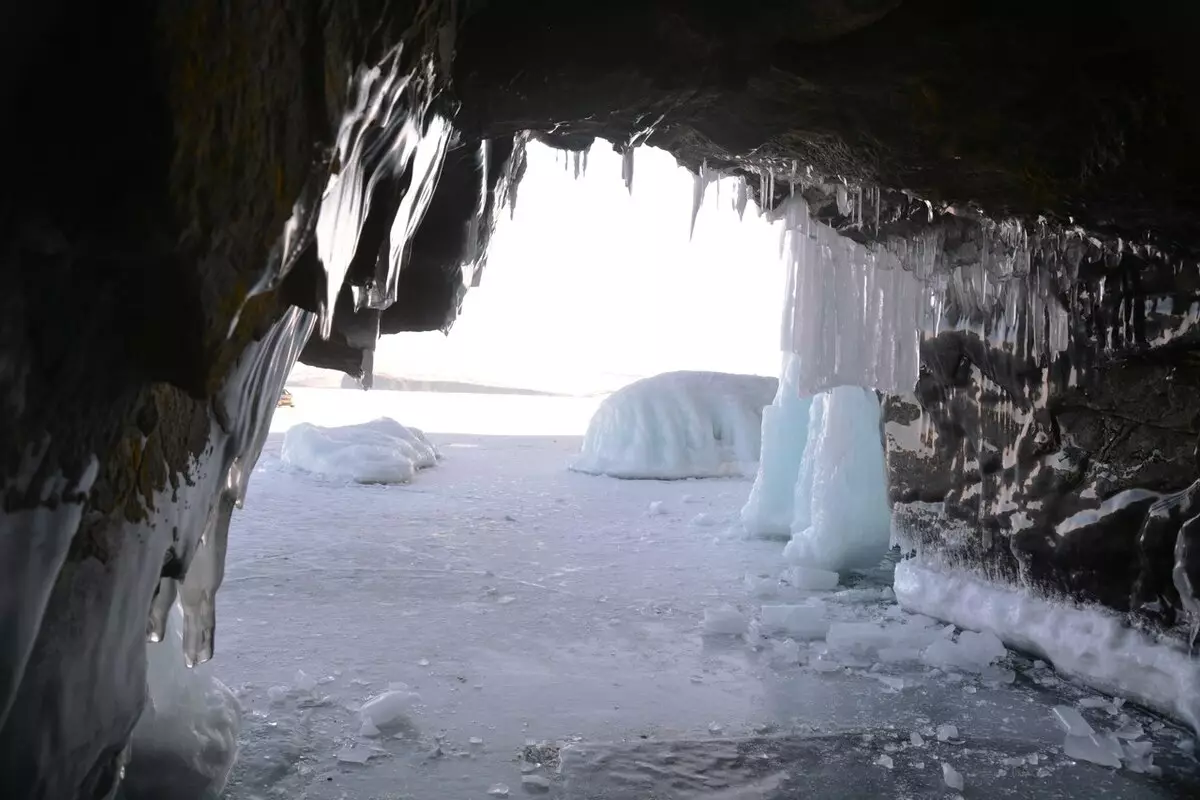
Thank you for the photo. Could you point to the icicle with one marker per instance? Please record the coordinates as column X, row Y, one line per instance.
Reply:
column 699, row 187
column 741, row 197
column 627, row 168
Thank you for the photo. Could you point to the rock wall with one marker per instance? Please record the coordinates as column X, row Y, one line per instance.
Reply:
column 1065, row 463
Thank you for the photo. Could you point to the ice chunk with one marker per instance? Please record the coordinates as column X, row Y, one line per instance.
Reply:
column 389, row 710
column 1088, row 748
column 952, row 777
column 971, row 651
column 535, row 783
column 498, row 790
column 382, row 451
column 475, row 741
column 703, row 520
column 761, row 586
column 1072, row 721
column 354, row 754
column 725, row 621
column 304, row 682
column 800, row 622
column 715, row 728
column 851, row 520
column 1130, row 730
column 885, row 762
column 946, row 733
column 769, row 509
column 678, row 425
column 810, row 579
column 656, row 508
column 368, row 729
column 916, row 740
column 1093, row 702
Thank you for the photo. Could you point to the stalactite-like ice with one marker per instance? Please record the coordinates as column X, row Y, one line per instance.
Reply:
column 851, row 520
column 768, row 511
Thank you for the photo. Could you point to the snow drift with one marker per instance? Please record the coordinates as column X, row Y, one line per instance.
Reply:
column 678, row 425
column 185, row 742
column 380, row 451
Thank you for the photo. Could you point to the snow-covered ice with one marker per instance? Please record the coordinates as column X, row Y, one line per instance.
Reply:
column 601, row 640
column 1087, row 643
column 380, row 451
column 678, row 425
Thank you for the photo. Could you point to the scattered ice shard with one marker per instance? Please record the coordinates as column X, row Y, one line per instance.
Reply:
column 808, row 579
column 1072, row 721
column 725, row 621
column 946, row 733
column 389, row 710
column 799, row 622
column 1089, row 748
column 952, row 777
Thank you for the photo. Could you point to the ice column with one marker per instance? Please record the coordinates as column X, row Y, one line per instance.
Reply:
column 768, row 511
column 850, row 517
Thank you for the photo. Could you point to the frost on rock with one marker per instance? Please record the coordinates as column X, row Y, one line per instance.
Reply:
column 185, row 742
column 381, row 451
column 1089, row 643
column 769, row 510
column 678, row 425
column 851, row 520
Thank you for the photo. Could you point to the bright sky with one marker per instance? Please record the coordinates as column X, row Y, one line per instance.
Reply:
column 587, row 287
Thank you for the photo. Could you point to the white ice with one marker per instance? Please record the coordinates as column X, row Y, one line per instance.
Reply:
column 380, row 451
column 770, row 508
column 1089, row 643
column 185, row 742
column 851, row 520
column 678, row 425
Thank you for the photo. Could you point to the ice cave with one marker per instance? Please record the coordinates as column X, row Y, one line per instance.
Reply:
column 757, row 400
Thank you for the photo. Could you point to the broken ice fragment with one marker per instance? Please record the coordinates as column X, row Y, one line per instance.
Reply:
column 946, row 732
column 885, row 762
column 1087, row 748
column 811, row 579
column 535, row 783
column 800, row 622
column 498, row 790
column 390, row 709
column 1130, row 730
column 424, row 662
column 475, row 741
column 354, row 754
column 724, row 621
column 1092, row 702
column 715, row 728
column 304, row 682
column 656, row 508
column 916, row 740
column 1072, row 721
column 952, row 777
column 368, row 728
column 277, row 694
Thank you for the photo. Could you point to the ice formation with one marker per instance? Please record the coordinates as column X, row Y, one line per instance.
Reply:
column 857, row 312
column 678, row 425
column 769, row 510
column 380, row 451
column 851, row 520
column 1089, row 643
column 185, row 743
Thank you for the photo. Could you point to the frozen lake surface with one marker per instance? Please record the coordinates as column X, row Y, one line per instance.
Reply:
column 548, row 627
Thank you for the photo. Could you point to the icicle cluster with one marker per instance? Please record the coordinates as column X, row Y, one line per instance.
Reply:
column 856, row 313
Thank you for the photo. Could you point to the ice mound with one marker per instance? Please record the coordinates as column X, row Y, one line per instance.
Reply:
column 185, row 743
column 380, row 451
column 678, row 425
column 850, row 517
